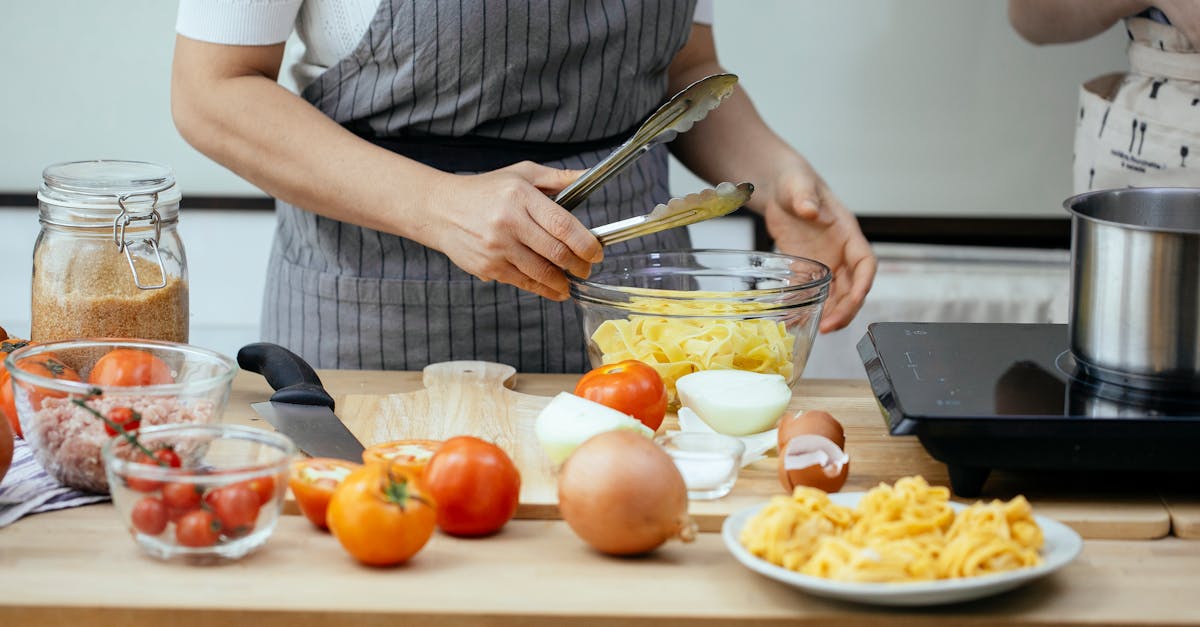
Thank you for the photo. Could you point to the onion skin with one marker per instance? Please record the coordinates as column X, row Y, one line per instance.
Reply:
column 623, row 495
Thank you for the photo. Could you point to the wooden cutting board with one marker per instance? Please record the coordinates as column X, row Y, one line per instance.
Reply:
column 476, row 398
column 464, row 398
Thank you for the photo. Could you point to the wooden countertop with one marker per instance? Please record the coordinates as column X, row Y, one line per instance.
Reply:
column 79, row 567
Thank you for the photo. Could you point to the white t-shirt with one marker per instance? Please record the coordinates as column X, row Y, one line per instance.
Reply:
column 328, row 30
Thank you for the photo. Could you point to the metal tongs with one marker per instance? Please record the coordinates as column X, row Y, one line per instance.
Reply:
column 676, row 116
column 710, row 203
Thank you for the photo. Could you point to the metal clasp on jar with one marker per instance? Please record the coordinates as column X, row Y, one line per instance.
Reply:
column 122, row 222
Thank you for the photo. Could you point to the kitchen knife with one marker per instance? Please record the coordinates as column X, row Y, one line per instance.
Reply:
column 300, row 408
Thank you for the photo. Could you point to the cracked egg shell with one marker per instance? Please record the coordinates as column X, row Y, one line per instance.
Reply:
column 812, row 422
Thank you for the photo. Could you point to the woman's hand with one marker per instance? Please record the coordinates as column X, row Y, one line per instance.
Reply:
column 807, row 220
column 503, row 226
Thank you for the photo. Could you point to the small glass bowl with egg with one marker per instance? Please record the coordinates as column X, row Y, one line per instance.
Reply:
column 692, row 310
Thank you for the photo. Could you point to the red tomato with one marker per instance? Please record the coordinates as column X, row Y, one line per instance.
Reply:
column 130, row 367
column 475, row 484
column 630, row 387
column 166, row 456
column 264, row 487
column 181, row 496
column 124, row 417
column 313, row 481
column 149, row 516
column 197, row 528
column 381, row 518
column 236, row 507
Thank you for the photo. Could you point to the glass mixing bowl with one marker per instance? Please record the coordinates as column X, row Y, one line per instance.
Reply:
column 59, row 397
column 220, row 502
column 690, row 310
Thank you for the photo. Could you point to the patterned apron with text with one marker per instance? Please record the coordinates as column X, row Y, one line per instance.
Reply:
column 1141, row 129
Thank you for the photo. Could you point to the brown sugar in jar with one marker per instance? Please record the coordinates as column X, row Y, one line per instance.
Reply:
column 108, row 261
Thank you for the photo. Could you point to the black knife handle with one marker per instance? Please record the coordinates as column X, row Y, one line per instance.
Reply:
column 292, row 378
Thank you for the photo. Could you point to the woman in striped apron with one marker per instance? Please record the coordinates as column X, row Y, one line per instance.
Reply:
column 414, row 172
column 1135, row 129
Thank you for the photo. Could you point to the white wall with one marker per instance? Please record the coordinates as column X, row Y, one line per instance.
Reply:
column 914, row 107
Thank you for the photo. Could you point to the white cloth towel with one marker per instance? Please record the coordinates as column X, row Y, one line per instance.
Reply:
column 28, row 489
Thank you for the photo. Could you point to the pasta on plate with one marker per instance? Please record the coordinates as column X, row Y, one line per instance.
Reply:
column 902, row 532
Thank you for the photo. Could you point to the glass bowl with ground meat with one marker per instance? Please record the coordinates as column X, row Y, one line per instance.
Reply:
column 72, row 396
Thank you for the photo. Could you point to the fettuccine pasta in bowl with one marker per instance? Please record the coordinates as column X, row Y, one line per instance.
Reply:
column 686, row 311
column 903, row 544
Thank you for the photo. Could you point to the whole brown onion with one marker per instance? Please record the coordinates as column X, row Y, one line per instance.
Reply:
column 622, row 494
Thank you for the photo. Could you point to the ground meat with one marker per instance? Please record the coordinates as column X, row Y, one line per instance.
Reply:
column 66, row 439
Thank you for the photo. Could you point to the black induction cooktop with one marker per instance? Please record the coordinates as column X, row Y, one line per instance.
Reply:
column 984, row 396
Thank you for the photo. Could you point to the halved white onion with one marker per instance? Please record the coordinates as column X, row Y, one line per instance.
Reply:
column 568, row 420
column 735, row 402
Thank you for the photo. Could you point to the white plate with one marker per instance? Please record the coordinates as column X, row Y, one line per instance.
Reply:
column 1061, row 546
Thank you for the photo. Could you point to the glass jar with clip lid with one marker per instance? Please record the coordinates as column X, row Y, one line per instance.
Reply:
column 108, row 261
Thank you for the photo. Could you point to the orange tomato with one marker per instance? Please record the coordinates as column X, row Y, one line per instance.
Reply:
column 313, row 482
column 381, row 515
column 409, row 455
column 8, row 406
column 47, row 366
column 6, row 448
column 630, row 387
column 130, row 367
column 475, row 484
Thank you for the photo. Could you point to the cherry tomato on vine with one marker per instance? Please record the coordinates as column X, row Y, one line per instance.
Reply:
column 630, row 387
column 381, row 516
column 165, row 456
column 125, row 417
column 130, row 367
column 475, row 484
column 313, row 481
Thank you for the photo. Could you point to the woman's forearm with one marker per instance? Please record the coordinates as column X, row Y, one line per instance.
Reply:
column 1061, row 21
column 233, row 111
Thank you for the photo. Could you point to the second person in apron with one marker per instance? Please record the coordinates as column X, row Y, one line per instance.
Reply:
column 1134, row 129
column 414, row 172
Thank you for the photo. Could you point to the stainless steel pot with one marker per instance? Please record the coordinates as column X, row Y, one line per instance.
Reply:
column 1135, row 279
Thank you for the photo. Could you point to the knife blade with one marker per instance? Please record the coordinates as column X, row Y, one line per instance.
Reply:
column 300, row 408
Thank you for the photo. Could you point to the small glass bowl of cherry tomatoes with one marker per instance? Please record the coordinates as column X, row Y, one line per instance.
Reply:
column 199, row 492
column 69, row 397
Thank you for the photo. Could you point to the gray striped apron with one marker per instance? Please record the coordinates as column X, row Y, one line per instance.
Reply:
column 469, row 86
